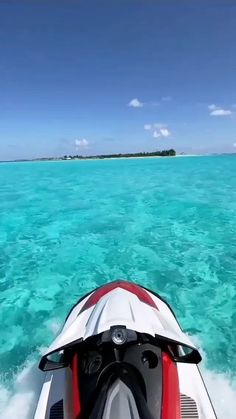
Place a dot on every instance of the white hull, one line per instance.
(147, 315)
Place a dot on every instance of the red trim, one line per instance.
(135, 289)
(75, 385)
(171, 394)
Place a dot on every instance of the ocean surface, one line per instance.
(67, 227)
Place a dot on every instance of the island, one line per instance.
(163, 153)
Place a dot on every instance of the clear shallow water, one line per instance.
(67, 227)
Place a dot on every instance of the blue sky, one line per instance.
(108, 76)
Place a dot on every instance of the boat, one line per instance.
(122, 354)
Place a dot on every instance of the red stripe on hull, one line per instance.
(75, 384)
(171, 394)
(133, 288)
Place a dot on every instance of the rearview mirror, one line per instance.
(53, 361)
(186, 354)
(181, 352)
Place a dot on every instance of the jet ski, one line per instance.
(122, 354)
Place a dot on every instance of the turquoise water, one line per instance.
(67, 227)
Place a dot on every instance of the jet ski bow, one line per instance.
(122, 354)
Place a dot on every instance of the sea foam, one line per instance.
(22, 399)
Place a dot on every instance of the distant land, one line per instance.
(163, 153)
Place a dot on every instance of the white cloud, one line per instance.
(158, 130)
(156, 134)
(212, 107)
(218, 111)
(221, 112)
(135, 103)
(166, 98)
(234, 145)
(165, 132)
(83, 143)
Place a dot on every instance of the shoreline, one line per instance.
(126, 158)
(108, 158)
